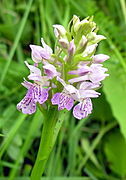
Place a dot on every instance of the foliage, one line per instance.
(93, 147)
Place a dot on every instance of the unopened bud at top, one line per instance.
(76, 22)
(83, 27)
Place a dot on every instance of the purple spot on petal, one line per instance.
(65, 101)
(69, 103)
(55, 98)
(82, 109)
(34, 94)
(43, 95)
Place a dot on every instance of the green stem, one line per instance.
(123, 6)
(50, 131)
(34, 126)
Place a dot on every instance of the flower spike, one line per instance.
(69, 77)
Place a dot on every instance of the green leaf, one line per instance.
(115, 90)
(86, 146)
(115, 150)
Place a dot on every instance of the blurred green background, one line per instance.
(93, 148)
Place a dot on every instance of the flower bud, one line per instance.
(82, 45)
(83, 41)
(94, 38)
(64, 43)
(89, 50)
(72, 47)
(99, 58)
(71, 51)
(76, 22)
(36, 53)
(59, 30)
(83, 27)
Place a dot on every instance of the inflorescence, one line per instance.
(69, 76)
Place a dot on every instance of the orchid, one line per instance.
(68, 78)
(36, 91)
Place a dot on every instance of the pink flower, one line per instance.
(39, 53)
(59, 30)
(50, 70)
(95, 73)
(65, 99)
(37, 91)
(84, 107)
(99, 58)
